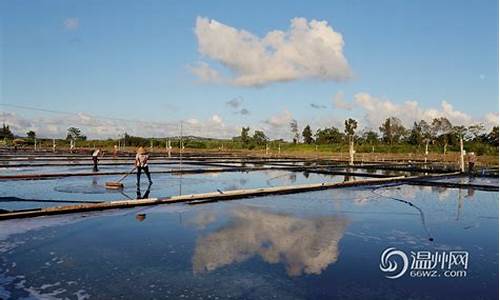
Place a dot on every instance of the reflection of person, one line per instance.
(140, 217)
(141, 162)
(95, 158)
(470, 192)
(146, 194)
(472, 162)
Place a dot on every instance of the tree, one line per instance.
(440, 126)
(307, 135)
(259, 137)
(370, 137)
(420, 133)
(492, 137)
(392, 130)
(329, 136)
(245, 137)
(5, 132)
(31, 134)
(350, 126)
(75, 134)
(441, 129)
(295, 131)
(460, 131)
(475, 131)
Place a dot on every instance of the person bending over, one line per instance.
(95, 158)
(141, 162)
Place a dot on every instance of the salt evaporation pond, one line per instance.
(13, 194)
(316, 245)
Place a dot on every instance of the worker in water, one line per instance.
(95, 158)
(141, 163)
(472, 161)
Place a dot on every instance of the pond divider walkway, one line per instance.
(212, 196)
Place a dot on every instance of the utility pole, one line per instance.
(426, 149)
(351, 153)
(169, 147)
(181, 147)
(462, 153)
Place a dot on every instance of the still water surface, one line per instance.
(317, 245)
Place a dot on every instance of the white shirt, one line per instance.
(141, 160)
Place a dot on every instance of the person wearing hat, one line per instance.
(141, 163)
(95, 158)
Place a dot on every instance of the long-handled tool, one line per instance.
(116, 185)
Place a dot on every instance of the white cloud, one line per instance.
(217, 120)
(192, 121)
(340, 103)
(203, 71)
(277, 126)
(71, 24)
(491, 119)
(377, 110)
(95, 127)
(280, 120)
(307, 50)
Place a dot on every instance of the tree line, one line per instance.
(440, 131)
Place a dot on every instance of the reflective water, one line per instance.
(88, 169)
(318, 245)
(472, 180)
(13, 194)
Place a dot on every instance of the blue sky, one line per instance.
(134, 60)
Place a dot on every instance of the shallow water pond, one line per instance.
(317, 245)
(14, 194)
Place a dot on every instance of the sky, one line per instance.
(145, 67)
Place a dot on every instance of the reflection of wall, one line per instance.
(302, 245)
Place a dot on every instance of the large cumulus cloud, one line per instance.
(309, 49)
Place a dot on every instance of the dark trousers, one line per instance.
(471, 167)
(94, 158)
(146, 170)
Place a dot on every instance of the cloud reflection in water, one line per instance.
(303, 245)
